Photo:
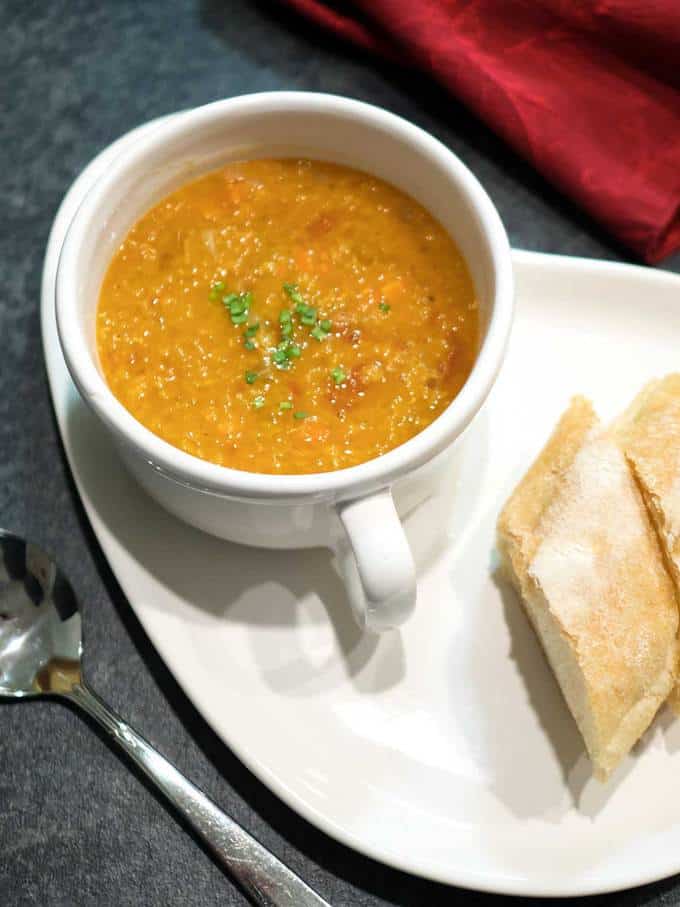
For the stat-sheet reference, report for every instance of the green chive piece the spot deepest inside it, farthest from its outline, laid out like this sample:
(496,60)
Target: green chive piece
(338,375)
(294,351)
(291,289)
(279,358)
(326,325)
(309,316)
(318,333)
(285,317)
(384,307)
(249,345)
(286,404)
(215,290)
(287,329)
(251,377)
(258,402)
(252,329)
(238,305)
(300,415)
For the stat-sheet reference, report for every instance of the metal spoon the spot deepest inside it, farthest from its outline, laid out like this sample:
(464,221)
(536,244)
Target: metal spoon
(40,653)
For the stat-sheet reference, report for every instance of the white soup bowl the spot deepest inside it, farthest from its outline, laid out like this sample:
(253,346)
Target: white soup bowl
(349,510)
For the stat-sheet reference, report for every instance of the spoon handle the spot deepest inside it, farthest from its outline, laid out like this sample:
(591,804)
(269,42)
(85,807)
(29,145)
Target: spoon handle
(264,878)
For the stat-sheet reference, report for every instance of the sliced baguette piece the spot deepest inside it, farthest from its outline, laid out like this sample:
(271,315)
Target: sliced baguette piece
(649,433)
(576,541)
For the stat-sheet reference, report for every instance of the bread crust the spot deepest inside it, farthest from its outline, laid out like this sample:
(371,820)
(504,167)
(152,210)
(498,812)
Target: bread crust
(649,433)
(577,543)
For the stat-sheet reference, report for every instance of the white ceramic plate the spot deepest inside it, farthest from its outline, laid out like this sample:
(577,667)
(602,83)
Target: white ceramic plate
(444,750)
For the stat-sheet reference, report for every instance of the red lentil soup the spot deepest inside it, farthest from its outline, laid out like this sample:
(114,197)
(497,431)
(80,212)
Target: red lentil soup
(287,316)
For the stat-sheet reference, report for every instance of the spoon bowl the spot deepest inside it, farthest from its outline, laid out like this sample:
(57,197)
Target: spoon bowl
(40,654)
(40,626)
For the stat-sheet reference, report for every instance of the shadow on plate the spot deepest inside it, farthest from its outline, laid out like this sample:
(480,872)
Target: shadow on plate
(545,698)
(262,590)
(218,581)
(668,720)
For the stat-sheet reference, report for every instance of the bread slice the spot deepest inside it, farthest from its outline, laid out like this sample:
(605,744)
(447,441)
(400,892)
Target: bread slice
(649,432)
(576,541)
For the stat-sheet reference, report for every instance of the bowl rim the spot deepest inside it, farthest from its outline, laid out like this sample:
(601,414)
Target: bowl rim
(353,481)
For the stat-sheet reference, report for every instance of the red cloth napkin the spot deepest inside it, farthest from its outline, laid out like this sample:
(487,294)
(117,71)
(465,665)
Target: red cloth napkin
(587,90)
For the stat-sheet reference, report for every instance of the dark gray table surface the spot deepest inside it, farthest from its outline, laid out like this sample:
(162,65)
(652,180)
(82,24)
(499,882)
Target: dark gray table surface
(77,827)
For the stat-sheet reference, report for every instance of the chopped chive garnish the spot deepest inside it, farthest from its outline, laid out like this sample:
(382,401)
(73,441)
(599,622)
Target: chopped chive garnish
(251,377)
(286,404)
(238,305)
(338,375)
(258,402)
(300,415)
(235,303)
(291,289)
(384,307)
(279,358)
(284,352)
(308,316)
(249,333)
(215,290)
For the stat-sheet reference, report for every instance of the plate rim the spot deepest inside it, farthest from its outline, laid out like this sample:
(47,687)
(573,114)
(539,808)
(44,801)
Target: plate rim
(522,260)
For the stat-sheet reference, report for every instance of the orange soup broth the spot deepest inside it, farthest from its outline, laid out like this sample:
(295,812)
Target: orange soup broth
(402,338)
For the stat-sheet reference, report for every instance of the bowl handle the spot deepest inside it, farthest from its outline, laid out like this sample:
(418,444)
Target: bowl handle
(376,561)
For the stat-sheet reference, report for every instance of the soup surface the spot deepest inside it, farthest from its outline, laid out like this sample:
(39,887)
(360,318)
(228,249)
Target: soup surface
(287,316)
